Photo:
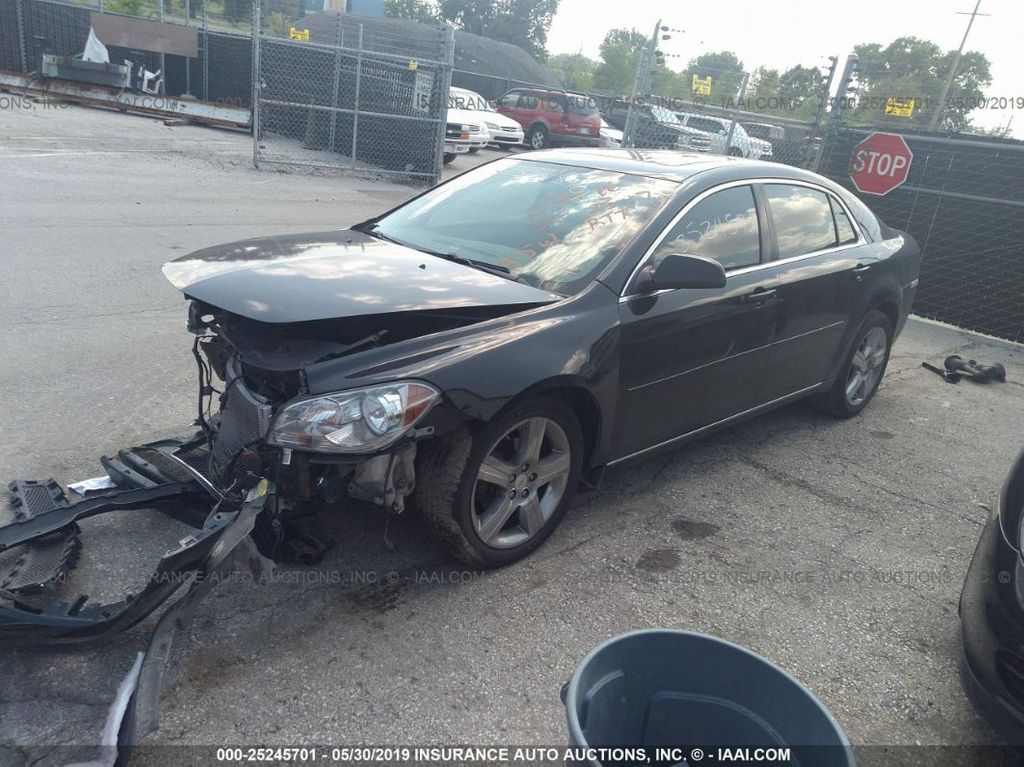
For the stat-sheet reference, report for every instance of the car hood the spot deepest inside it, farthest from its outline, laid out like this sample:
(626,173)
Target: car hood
(682,129)
(503,123)
(480,117)
(342,273)
(466,117)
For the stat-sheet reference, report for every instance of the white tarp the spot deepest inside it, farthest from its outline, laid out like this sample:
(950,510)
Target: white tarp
(95,50)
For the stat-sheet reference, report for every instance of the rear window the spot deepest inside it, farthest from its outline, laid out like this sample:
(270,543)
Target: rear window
(581,105)
(704,124)
(844,229)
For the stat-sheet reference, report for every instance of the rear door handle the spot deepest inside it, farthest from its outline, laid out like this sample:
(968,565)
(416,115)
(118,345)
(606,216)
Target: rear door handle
(758,296)
(860,270)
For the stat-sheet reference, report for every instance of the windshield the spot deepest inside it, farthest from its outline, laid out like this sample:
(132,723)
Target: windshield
(551,226)
(460,99)
(663,115)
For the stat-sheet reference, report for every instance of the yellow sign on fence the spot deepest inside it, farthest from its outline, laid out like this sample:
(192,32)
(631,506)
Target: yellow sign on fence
(298,34)
(900,107)
(702,87)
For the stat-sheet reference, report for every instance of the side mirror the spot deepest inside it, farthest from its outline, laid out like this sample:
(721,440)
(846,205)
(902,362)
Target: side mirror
(681,270)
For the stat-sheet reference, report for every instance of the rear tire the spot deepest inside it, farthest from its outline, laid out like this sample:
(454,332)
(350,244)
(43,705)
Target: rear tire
(862,370)
(477,499)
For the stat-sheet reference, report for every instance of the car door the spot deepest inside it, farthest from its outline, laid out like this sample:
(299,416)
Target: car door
(510,105)
(823,283)
(690,358)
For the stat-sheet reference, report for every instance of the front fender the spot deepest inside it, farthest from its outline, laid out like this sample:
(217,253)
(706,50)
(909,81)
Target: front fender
(481,369)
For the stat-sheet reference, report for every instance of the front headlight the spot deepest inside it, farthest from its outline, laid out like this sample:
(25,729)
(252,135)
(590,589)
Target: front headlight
(354,421)
(492,126)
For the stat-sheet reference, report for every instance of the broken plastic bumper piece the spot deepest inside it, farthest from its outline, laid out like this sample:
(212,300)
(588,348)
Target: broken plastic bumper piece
(165,475)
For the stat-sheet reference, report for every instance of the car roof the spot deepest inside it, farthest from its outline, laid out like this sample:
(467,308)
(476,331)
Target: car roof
(673,165)
(716,118)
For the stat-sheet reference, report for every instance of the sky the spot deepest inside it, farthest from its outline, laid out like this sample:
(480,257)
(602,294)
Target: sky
(781,34)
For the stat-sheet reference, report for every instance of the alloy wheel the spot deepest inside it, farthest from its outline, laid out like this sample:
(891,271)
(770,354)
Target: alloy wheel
(520,482)
(866,366)
(537,139)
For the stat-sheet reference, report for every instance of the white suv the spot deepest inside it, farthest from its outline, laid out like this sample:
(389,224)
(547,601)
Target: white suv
(742,144)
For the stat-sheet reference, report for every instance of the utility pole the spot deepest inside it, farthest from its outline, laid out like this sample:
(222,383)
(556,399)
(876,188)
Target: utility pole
(940,107)
(643,67)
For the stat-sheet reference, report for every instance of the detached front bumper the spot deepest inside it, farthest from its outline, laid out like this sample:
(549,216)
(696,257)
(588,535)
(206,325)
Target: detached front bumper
(45,533)
(992,632)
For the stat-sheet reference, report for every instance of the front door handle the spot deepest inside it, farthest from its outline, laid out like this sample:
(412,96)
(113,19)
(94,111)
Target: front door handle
(759,296)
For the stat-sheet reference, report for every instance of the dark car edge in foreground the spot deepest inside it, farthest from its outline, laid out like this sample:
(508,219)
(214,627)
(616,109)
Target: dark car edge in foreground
(992,615)
(485,359)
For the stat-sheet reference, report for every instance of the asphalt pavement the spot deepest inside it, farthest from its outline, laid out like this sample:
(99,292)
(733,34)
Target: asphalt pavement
(835,548)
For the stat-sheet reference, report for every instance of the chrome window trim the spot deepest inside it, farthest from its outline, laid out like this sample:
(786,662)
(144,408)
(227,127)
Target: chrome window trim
(753,267)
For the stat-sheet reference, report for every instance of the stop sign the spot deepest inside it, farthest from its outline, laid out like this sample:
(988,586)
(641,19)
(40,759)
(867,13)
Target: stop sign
(880,163)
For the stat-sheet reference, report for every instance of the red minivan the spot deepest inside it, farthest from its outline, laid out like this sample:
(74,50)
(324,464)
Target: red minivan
(553,118)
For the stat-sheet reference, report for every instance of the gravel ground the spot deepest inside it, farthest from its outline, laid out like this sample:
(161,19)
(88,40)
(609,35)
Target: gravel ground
(835,548)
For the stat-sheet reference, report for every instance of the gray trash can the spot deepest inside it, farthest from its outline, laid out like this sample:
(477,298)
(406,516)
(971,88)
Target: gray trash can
(666,688)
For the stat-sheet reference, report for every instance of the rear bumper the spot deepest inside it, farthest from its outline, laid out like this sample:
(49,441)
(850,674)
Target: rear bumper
(992,634)
(565,139)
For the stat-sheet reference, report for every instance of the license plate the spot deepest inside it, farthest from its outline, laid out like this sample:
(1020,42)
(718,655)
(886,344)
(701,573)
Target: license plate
(584,131)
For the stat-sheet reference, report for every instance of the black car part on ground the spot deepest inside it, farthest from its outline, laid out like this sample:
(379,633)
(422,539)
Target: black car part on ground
(955,367)
(228,529)
(166,475)
(992,615)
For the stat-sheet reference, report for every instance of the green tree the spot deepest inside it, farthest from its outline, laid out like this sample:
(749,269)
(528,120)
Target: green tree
(800,92)
(726,73)
(620,53)
(521,22)
(764,84)
(574,70)
(423,11)
(912,68)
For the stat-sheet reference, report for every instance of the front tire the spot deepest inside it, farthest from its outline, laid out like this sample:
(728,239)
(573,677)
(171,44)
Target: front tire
(862,371)
(537,138)
(492,494)
(473,150)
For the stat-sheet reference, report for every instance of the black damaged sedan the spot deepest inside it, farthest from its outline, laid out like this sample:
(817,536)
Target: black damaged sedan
(483,348)
(992,614)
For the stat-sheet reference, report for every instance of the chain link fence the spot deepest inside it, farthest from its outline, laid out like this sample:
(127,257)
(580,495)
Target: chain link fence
(963,202)
(727,116)
(221,72)
(732,112)
(353,94)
